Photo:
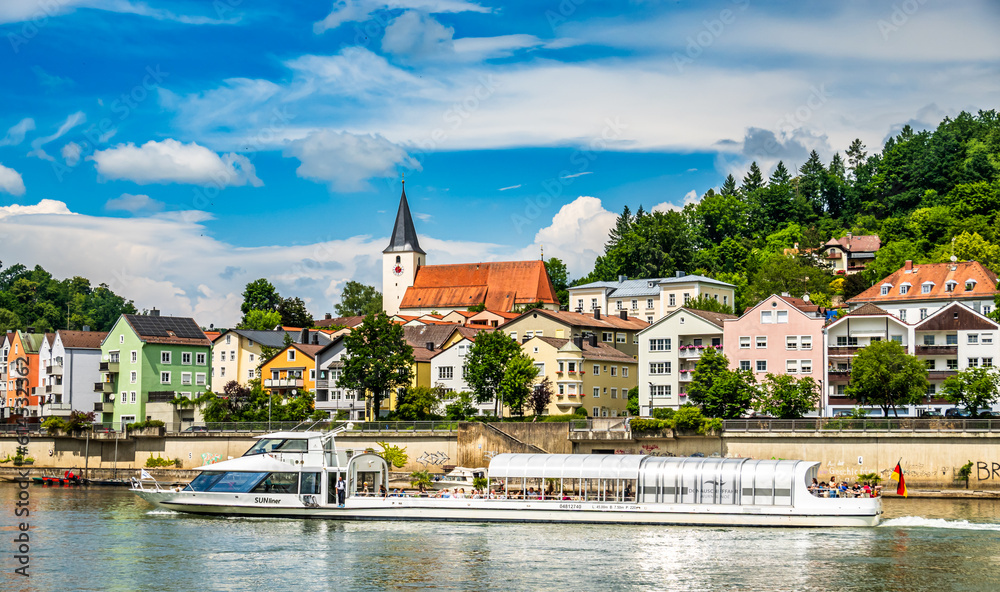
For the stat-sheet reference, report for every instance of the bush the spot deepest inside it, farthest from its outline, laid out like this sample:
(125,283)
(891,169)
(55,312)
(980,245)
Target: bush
(581,411)
(54,425)
(688,417)
(560,418)
(141,425)
(421,478)
(663,413)
(157,462)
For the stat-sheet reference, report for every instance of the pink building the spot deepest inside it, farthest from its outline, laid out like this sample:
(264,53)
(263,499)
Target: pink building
(781,335)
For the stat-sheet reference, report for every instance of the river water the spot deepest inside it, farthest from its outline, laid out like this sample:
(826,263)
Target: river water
(108,540)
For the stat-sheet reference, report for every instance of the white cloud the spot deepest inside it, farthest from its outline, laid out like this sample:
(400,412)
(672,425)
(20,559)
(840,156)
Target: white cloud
(423,217)
(480,48)
(45,206)
(72,121)
(136,204)
(346,11)
(41,10)
(346,161)
(15,135)
(415,35)
(511,187)
(11,181)
(691,197)
(171,161)
(576,235)
(71,153)
(575,175)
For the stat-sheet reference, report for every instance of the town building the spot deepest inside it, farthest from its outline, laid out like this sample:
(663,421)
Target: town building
(331,322)
(618,331)
(410,286)
(291,370)
(68,367)
(147,361)
(22,373)
(584,373)
(849,254)
(6,342)
(648,299)
(332,398)
(915,291)
(780,335)
(237,354)
(951,339)
(448,367)
(668,352)
(491,318)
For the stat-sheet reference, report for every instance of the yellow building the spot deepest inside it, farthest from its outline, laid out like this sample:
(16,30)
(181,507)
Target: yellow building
(237,354)
(584,373)
(291,369)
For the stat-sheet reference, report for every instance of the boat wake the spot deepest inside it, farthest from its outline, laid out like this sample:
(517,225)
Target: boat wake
(920,522)
(162,513)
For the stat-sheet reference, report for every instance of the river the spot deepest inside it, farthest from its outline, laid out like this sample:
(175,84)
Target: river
(107,540)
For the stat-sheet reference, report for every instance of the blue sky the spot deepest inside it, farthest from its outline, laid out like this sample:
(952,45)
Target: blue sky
(177,150)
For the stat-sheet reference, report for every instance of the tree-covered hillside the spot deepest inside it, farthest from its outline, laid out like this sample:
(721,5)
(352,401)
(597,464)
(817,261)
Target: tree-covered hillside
(33,298)
(927,195)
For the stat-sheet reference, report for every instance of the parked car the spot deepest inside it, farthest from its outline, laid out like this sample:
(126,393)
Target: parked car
(957,412)
(100,429)
(844,413)
(930,413)
(196,429)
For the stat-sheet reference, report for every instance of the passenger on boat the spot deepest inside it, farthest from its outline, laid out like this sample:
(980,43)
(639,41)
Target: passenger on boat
(445,494)
(365,492)
(341,491)
(382,491)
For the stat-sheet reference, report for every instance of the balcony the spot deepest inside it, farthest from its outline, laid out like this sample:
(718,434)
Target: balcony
(569,400)
(104,406)
(53,389)
(283,383)
(843,350)
(111,367)
(937,350)
(940,374)
(695,351)
(839,374)
(161,396)
(685,376)
(54,370)
(104,387)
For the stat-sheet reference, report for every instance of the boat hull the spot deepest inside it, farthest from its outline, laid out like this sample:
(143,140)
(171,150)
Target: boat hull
(460,510)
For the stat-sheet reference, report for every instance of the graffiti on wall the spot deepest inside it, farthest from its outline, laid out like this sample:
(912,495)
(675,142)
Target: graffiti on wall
(433,458)
(207,458)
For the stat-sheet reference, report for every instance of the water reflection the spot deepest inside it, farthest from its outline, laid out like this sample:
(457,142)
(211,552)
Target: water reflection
(107,540)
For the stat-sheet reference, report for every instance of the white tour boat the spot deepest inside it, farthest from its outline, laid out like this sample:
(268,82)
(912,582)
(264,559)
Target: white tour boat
(294,474)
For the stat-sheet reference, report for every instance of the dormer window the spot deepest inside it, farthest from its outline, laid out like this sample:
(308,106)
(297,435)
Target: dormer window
(904,288)
(886,288)
(970,285)
(950,286)
(926,287)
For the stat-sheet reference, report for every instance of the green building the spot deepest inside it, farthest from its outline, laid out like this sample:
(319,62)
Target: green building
(148,360)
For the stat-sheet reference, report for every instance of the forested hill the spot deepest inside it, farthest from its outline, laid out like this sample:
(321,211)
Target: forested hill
(925,194)
(33,298)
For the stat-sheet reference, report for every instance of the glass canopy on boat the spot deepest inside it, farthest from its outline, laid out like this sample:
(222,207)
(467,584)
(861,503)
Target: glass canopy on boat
(566,466)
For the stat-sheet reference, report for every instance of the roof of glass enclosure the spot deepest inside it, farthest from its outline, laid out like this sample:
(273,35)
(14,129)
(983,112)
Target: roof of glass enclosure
(566,466)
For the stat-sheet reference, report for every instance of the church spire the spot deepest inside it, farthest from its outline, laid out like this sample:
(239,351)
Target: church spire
(404,235)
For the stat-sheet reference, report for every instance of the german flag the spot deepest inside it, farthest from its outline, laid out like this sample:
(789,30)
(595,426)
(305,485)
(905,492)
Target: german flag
(897,475)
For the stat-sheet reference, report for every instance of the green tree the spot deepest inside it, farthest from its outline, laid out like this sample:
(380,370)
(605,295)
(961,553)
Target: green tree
(704,302)
(721,392)
(973,388)
(516,384)
(560,278)
(358,299)
(753,180)
(260,320)
(461,407)
(377,360)
(416,403)
(884,375)
(632,407)
(780,176)
(728,186)
(785,397)
(486,365)
(9,321)
(541,396)
(294,313)
(259,294)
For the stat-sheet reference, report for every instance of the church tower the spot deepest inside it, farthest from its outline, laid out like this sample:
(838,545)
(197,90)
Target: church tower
(401,259)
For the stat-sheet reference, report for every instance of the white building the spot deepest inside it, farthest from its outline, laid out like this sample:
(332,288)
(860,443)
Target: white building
(448,373)
(668,352)
(648,299)
(914,292)
(329,396)
(68,367)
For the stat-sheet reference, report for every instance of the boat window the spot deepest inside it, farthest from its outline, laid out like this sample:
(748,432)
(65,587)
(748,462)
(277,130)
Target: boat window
(236,482)
(278,483)
(203,482)
(310,483)
(267,445)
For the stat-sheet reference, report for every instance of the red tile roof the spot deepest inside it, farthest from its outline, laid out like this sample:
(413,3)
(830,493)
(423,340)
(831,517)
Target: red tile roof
(498,285)
(864,243)
(340,322)
(577,319)
(937,273)
(603,351)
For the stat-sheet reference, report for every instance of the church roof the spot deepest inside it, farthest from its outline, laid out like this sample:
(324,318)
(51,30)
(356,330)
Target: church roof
(499,285)
(404,235)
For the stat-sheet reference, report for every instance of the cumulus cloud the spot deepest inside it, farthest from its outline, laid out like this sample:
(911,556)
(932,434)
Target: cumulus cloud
(45,206)
(360,10)
(15,135)
(691,197)
(171,161)
(347,161)
(576,235)
(10,181)
(71,153)
(136,204)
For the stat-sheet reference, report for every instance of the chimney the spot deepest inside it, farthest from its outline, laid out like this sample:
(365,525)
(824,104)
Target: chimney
(29,330)
(304,336)
(593,340)
(624,315)
(908,266)
(678,273)
(621,279)
(86,328)
(849,235)
(154,312)
(315,339)
(597,314)
(430,345)
(578,341)
(328,316)
(579,310)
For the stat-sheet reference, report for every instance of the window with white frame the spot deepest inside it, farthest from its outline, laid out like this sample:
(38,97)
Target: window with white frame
(649,304)
(250,374)
(745,365)
(164,378)
(657,368)
(923,313)
(987,362)
(973,338)
(607,336)
(902,314)
(766,318)
(950,285)
(185,378)
(291,354)
(164,357)
(987,309)
(930,364)
(952,364)
(199,378)
(659,390)
(761,342)
(579,303)
(782,316)
(973,362)
(926,287)
(621,338)
(132,397)
(597,392)
(124,397)
(614,371)
(200,358)
(624,371)
(904,288)
(618,305)
(133,376)
(805,342)
(673,300)
(228,339)
(232,355)
(593,303)
(791,342)
(791,366)
(885,289)
(562,389)
(970,285)
(687,298)
(761,365)
(745,342)
(659,344)
(186,358)
(805,366)
(986,338)
(635,305)
(614,393)
(222,371)
(135,356)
